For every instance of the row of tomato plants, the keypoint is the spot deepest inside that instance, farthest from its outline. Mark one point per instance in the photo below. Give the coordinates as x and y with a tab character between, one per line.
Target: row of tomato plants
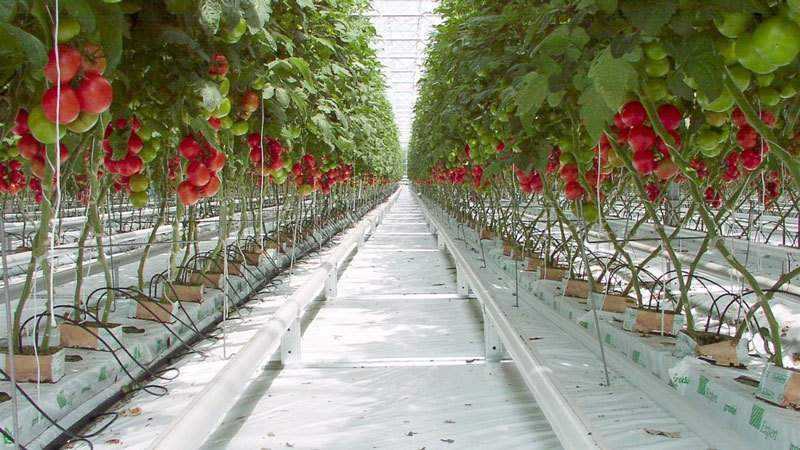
183	104
580	104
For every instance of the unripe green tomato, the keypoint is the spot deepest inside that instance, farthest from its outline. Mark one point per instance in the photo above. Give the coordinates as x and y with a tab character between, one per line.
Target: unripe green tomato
716	119
226	123
240	128
145	132
42	129
725	47
83	123
777	40
656	89
765	80
722	103
655	51
740	77
148	153
769	96
138	182
750	58
224	86
68	28
139	199
732	24
258	84
236	33
707	139
789	90
711	152
657	68
223	109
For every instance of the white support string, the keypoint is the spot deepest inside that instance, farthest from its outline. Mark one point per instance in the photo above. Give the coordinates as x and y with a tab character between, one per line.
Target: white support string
12	376
57	208
261	174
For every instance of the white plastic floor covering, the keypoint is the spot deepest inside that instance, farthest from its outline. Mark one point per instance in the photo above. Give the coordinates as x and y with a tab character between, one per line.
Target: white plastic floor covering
394	362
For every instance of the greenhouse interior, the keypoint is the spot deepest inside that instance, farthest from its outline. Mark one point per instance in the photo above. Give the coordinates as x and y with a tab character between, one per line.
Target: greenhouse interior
400	224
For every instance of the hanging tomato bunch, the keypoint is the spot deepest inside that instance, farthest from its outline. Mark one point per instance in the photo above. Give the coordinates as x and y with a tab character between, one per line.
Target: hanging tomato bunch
203	163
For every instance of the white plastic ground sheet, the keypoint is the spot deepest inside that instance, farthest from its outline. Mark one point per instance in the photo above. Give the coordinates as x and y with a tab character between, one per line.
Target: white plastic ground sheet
394	361
711	387
97	376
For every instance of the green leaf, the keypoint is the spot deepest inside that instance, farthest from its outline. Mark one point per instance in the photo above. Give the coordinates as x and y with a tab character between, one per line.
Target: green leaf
696	57
210	94
531	92
613	79
201	125
257	13
28	44
210	14
595	113
172	35
649	15
110	24
306	4
607	6
8	8
81	11
302	66
282	96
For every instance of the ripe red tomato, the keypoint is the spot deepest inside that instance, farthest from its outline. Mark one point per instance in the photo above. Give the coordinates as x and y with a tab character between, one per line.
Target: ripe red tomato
197	173
69	106
670	116
211	188
633	114
573	190
29	147
255	155
653	191
751	158
69	61
189	148
94	93
738	118
644	161
93	58
135	143
250	101
747	137
187	193
215	161
641	137
21	123
569	172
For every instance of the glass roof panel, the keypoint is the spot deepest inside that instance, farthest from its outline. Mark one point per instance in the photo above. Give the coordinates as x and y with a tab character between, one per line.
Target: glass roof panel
403	27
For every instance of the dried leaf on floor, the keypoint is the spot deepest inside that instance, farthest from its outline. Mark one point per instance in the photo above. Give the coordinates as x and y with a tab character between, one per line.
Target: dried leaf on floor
114	441
131	412
447	440
669	434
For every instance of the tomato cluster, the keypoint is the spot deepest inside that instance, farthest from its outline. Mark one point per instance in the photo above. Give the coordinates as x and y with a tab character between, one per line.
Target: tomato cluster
79	92
204	162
